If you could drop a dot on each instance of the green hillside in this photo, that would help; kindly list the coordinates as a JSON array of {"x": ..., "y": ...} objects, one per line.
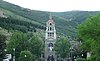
[{"x": 66, "y": 22}]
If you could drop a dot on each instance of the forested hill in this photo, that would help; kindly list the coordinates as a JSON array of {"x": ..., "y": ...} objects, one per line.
[{"x": 66, "y": 22}]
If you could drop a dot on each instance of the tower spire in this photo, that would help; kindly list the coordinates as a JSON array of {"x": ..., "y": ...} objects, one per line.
[{"x": 50, "y": 17}]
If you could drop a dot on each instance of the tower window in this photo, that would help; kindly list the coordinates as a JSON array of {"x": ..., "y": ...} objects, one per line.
[
  {"x": 50, "y": 45},
  {"x": 52, "y": 34},
  {"x": 50, "y": 23},
  {"x": 50, "y": 28},
  {"x": 48, "y": 34}
]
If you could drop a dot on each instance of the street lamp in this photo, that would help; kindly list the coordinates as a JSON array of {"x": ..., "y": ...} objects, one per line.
[
  {"x": 82, "y": 55},
  {"x": 71, "y": 53},
  {"x": 14, "y": 54},
  {"x": 25, "y": 56},
  {"x": 74, "y": 58},
  {"x": 5, "y": 50}
]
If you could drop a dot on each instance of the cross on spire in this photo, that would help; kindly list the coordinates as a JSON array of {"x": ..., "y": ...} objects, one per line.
[{"x": 50, "y": 17}]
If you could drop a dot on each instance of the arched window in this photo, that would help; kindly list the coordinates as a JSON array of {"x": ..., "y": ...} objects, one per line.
[
  {"x": 52, "y": 34},
  {"x": 50, "y": 28},
  {"x": 48, "y": 34},
  {"x": 50, "y": 58},
  {"x": 50, "y": 45},
  {"x": 50, "y": 23}
]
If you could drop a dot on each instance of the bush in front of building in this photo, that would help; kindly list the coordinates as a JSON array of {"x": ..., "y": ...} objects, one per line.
[{"x": 80, "y": 59}]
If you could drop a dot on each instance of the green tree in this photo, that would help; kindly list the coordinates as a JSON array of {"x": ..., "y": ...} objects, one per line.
[
  {"x": 21, "y": 41},
  {"x": 62, "y": 47},
  {"x": 18, "y": 41},
  {"x": 80, "y": 59},
  {"x": 89, "y": 31},
  {"x": 36, "y": 44},
  {"x": 2, "y": 46},
  {"x": 26, "y": 56}
]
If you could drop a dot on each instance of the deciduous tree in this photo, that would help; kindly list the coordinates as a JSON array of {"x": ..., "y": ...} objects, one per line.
[
  {"x": 26, "y": 56},
  {"x": 89, "y": 31},
  {"x": 62, "y": 47}
]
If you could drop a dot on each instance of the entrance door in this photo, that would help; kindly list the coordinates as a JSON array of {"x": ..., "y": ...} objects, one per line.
[{"x": 50, "y": 58}]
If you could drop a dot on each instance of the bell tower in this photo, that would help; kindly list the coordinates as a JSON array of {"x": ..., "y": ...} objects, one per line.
[{"x": 50, "y": 39}]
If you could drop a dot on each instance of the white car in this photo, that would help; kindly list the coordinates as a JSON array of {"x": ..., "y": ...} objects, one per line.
[{"x": 5, "y": 59}]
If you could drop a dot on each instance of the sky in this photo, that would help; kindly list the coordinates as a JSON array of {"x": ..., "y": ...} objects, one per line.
[{"x": 58, "y": 5}]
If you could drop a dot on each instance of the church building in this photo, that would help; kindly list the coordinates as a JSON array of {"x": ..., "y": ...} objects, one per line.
[{"x": 50, "y": 40}]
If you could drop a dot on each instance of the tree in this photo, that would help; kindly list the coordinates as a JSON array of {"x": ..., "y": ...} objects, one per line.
[
  {"x": 36, "y": 44},
  {"x": 23, "y": 41},
  {"x": 80, "y": 59},
  {"x": 89, "y": 31},
  {"x": 18, "y": 41},
  {"x": 26, "y": 56},
  {"x": 62, "y": 47}
]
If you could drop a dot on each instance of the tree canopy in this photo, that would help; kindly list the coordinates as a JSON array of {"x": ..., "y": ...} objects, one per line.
[
  {"x": 62, "y": 47},
  {"x": 22, "y": 42},
  {"x": 89, "y": 31},
  {"x": 26, "y": 56}
]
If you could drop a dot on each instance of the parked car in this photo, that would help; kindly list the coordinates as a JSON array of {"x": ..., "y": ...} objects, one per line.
[{"x": 5, "y": 59}]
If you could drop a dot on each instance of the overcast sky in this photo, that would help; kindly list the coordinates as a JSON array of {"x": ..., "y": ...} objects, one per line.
[{"x": 58, "y": 5}]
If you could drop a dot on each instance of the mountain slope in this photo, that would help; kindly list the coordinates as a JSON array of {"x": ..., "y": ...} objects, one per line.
[{"x": 66, "y": 22}]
